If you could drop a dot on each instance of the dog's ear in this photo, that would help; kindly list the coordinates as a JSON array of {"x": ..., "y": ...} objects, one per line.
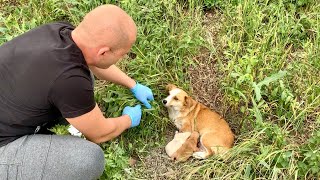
[
  {"x": 169, "y": 87},
  {"x": 187, "y": 101}
]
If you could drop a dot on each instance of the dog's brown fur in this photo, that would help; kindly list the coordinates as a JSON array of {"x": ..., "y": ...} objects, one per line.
[
  {"x": 215, "y": 134},
  {"x": 187, "y": 148}
]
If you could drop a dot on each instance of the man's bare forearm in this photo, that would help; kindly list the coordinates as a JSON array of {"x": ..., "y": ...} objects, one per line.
[
  {"x": 122, "y": 123},
  {"x": 115, "y": 75}
]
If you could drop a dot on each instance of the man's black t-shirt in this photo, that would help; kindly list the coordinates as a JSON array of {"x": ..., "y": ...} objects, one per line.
[{"x": 43, "y": 77}]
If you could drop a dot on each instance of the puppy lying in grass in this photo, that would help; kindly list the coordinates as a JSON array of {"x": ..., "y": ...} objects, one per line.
[
  {"x": 182, "y": 146},
  {"x": 189, "y": 115}
]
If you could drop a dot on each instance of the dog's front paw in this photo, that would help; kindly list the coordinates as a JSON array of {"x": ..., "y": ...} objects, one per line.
[{"x": 199, "y": 155}]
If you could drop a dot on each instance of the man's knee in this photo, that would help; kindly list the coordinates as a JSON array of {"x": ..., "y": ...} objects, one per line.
[
  {"x": 94, "y": 158},
  {"x": 90, "y": 160},
  {"x": 82, "y": 159}
]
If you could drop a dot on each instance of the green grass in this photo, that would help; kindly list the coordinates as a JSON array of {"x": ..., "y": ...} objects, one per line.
[
  {"x": 268, "y": 58},
  {"x": 270, "y": 64}
]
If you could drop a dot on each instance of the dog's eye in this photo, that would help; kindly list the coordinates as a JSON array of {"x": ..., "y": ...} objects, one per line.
[{"x": 175, "y": 98}]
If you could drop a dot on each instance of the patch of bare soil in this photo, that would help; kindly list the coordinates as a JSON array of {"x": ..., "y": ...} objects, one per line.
[
  {"x": 157, "y": 165},
  {"x": 203, "y": 77},
  {"x": 4, "y": 3},
  {"x": 205, "y": 89}
]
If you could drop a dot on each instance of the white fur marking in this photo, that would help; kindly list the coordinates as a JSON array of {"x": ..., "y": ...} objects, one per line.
[
  {"x": 173, "y": 93},
  {"x": 199, "y": 155},
  {"x": 174, "y": 107}
]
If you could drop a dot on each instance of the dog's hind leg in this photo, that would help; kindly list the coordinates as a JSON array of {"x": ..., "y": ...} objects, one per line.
[
  {"x": 205, "y": 150},
  {"x": 209, "y": 146}
]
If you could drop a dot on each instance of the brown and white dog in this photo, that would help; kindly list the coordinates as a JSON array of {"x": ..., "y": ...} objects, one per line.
[{"x": 189, "y": 115}]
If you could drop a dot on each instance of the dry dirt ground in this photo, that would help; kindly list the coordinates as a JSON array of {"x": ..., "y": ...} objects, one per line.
[{"x": 204, "y": 82}]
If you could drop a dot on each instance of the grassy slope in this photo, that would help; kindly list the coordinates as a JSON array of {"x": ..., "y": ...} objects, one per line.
[
  {"x": 279, "y": 136},
  {"x": 164, "y": 46},
  {"x": 270, "y": 64}
]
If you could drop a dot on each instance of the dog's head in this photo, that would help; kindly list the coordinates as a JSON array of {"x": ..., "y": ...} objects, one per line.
[{"x": 177, "y": 98}]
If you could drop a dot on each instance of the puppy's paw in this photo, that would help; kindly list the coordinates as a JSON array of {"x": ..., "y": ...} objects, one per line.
[{"x": 199, "y": 155}]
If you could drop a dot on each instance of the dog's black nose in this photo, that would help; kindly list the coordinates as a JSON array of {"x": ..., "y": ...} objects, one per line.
[{"x": 164, "y": 101}]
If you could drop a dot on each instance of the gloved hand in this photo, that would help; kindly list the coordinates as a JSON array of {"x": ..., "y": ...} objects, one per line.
[
  {"x": 143, "y": 94},
  {"x": 134, "y": 114}
]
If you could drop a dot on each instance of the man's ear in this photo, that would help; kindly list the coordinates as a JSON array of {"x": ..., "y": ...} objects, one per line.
[
  {"x": 169, "y": 87},
  {"x": 187, "y": 101},
  {"x": 103, "y": 50}
]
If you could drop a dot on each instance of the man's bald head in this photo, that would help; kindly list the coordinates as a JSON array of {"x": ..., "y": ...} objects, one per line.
[
  {"x": 104, "y": 35},
  {"x": 107, "y": 25}
]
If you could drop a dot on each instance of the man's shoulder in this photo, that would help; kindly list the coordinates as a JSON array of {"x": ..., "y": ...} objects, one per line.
[
  {"x": 58, "y": 24},
  {"x": 48, "y": 29}
]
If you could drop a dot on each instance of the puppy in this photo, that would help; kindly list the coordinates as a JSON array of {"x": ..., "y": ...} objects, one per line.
[
  {"x": 182, "y": 146},
  {"x": 189, "y": 115}
]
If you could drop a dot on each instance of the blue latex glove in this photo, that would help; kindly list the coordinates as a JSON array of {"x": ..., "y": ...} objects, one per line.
[
  {"x": 134, "y": 114},
  {"x": 143, "y": 94}
]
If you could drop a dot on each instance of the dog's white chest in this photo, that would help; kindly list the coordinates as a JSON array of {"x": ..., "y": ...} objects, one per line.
[{"x": 173, "y": 115}]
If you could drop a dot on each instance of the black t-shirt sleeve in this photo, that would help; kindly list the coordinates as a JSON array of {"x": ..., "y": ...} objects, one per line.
[{"x": 72, "y": 94}]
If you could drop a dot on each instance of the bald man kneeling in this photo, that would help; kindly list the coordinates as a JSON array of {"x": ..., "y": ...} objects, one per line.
[{"x": 46, "y": 76}]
